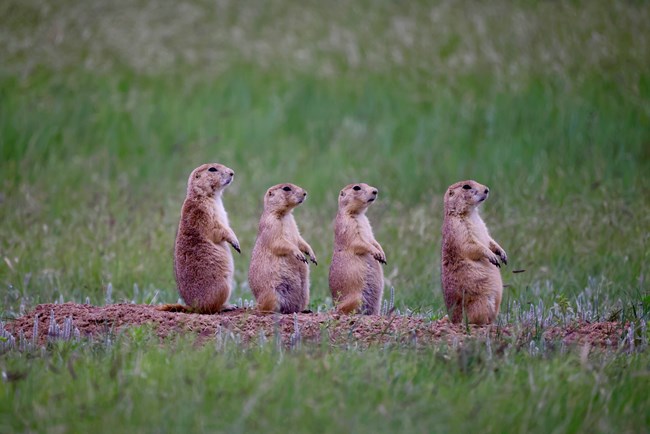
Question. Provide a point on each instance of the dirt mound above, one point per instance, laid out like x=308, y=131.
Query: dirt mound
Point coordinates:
x=247, y=325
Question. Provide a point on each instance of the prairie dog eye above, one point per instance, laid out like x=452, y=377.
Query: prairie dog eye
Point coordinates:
x=286, y=188
x=467, y=187
x=356, y=188
x=212, y=169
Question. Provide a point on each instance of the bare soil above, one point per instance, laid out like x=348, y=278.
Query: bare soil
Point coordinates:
x=248, y=325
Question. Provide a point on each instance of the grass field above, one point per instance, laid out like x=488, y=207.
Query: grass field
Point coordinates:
x=105, y=108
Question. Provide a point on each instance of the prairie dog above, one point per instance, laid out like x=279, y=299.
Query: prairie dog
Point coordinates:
x=279, y=272
x=471, y=280
x=356, y=278
x=203, y=263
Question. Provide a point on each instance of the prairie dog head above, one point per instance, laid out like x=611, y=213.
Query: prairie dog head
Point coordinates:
x=283, y=198
x=209, y=179
x=356, y=198
x=465, y=196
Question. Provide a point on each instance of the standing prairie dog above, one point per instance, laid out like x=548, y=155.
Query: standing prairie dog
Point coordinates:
x=356, y=278
x=203, y=263
x=279, y=272
x=471, y=281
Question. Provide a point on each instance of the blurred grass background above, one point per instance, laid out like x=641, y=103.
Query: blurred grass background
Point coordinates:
x=105, y=108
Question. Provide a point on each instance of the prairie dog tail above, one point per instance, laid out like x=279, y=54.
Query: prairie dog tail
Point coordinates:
x=175, y=307
x=268, y=302
x=350, y=303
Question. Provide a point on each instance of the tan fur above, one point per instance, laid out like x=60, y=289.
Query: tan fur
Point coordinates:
x=279, y=273
x=471, y=280
x=203, y=263
x=356, y=278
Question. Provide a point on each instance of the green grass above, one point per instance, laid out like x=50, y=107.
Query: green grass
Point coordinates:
x=105, y=108
x=92, y=193
x=142, y=387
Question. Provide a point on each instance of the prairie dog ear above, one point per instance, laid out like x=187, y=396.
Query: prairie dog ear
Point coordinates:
x=198, y=175
x=451, y=193
x=342, y=193
x=270, y=193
